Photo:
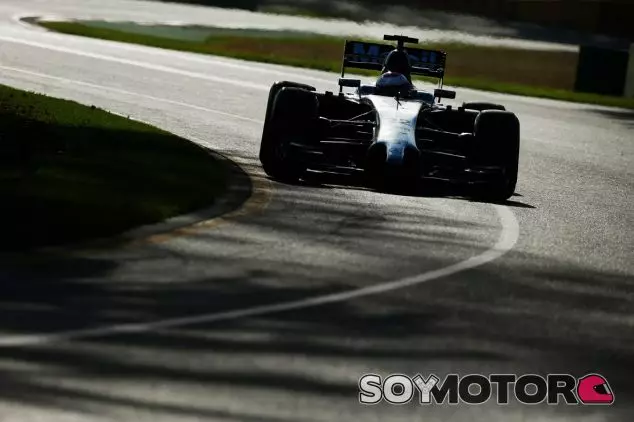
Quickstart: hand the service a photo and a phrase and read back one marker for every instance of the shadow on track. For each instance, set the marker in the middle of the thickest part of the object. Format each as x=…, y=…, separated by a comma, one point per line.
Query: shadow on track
x=623, y=117
x=522, y=317
x=548, y=321
x=428, y=188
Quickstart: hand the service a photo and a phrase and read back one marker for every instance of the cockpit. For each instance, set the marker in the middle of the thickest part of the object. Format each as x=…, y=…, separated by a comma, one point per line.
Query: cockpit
x=393, y=83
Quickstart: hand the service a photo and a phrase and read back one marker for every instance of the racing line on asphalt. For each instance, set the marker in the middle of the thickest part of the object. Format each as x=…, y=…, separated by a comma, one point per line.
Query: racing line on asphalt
x=506, y=241
x=125, y=92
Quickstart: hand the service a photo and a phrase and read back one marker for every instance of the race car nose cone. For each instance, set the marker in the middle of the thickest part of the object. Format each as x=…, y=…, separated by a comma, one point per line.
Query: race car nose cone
x=403, y=155
x=395, y=154
x=411, y=158
x=393, y=166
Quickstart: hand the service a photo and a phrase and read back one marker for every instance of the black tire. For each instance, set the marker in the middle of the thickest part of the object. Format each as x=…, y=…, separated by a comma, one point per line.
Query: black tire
x=292, y=115
x=482, y=106
x=497, y=143
x=275, y=89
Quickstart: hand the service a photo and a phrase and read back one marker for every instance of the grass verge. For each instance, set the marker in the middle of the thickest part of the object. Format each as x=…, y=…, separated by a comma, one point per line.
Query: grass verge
x=545, y=74
x=70, y=172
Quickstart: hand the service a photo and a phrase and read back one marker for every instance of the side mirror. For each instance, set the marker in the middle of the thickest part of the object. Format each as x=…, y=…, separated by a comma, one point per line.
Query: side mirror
x=349, y=82
x=444, y=93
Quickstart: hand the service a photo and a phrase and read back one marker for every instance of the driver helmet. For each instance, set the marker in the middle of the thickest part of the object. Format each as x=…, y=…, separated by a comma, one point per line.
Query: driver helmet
x=398, y=61
x=393, y=82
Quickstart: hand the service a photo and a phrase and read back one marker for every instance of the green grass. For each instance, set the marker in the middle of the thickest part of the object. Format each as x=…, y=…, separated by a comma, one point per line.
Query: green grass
x=70, y=172
x=546, y=74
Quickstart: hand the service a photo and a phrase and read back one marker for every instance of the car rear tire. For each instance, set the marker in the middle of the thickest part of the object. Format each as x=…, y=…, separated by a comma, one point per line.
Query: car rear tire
x=497, y=144
x=291, y=117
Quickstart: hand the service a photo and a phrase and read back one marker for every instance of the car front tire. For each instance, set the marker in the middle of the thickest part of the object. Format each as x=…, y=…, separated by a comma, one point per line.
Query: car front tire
x=497, y=144
x=292, y=118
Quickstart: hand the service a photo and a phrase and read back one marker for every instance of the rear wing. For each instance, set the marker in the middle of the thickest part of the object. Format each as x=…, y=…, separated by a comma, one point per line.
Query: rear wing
x=371, y=56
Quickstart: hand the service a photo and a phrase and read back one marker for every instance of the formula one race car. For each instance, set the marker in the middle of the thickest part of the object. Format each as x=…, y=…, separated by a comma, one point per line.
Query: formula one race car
x=390, y=132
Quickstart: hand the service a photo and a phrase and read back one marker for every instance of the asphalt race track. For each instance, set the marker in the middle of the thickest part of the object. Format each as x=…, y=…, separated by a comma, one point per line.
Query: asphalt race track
x=274, y=314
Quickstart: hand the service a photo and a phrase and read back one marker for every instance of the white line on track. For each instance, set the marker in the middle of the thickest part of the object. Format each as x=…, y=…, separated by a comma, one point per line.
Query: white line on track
x=145, y=65
x=130, y=93
x=507, y=240
x=211, y=60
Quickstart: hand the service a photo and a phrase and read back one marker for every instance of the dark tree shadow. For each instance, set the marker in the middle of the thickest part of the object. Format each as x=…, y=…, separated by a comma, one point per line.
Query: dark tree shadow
x=622, y=117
